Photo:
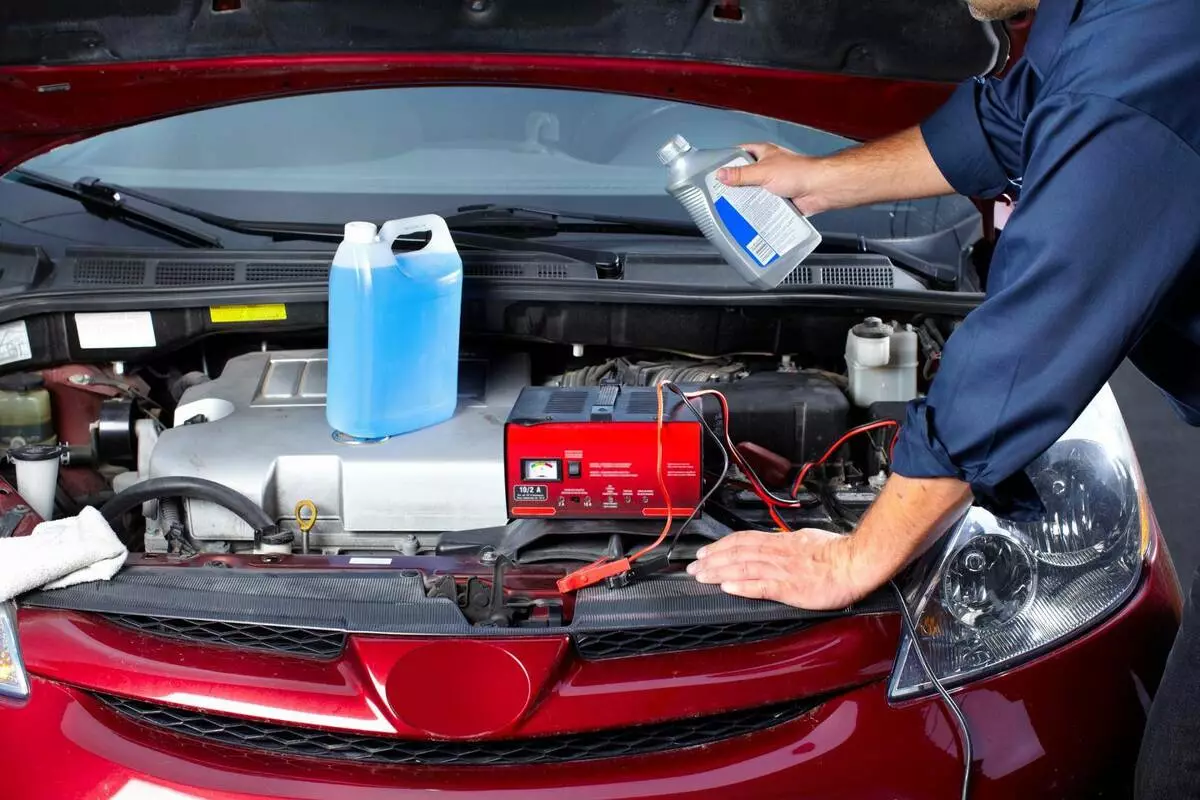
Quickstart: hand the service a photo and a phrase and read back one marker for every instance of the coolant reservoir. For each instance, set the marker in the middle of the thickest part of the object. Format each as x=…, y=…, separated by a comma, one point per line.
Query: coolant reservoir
x=882, y=362
x=24, y=411
x=393, y=330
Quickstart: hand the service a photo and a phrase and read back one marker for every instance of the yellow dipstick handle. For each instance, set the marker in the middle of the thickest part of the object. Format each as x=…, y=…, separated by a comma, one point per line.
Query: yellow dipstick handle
x=306, y=518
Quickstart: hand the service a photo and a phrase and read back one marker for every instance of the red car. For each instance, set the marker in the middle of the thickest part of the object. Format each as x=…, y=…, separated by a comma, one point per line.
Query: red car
x=306, y=616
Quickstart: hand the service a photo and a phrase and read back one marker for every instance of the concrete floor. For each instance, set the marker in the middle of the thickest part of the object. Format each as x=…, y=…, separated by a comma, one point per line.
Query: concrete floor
x=1169, y=452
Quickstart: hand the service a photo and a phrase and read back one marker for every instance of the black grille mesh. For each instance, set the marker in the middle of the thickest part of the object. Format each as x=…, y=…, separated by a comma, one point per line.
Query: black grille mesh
x=270, y=273
x=294, y=741
x=565, y=401
x=193, y=273
x=294, y=641
x=800, y=276
x=636, y=642
x=109, y=272
x=494, y=270
x=866, y=276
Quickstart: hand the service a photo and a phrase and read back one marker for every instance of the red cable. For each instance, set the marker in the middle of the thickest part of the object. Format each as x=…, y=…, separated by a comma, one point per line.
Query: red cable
x=845, y=437
x=662, y=484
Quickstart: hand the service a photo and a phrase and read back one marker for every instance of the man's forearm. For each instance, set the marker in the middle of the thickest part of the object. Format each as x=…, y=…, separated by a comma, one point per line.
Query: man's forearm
x=898, y=167
x=907, y=516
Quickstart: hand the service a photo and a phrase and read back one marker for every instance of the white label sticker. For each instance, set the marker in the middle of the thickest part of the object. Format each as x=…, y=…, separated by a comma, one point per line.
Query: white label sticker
x=764, y=224
x=115, y=330
x=376, y=562
x=14, y=343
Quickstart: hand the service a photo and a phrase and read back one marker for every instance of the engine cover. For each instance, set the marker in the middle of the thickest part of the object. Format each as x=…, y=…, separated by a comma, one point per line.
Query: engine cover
x=260, y=429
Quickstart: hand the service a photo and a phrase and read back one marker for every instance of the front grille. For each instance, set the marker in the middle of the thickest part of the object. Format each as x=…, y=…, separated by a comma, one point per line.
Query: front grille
x=294, y=741
x=597, y=645
x=278, y=639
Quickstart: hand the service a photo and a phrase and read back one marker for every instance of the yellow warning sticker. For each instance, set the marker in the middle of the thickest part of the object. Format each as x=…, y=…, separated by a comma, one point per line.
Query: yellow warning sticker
x=271, y=312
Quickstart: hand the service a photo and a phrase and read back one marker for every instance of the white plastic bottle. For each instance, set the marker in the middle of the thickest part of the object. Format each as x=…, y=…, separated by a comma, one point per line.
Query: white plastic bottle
x=762, y=236
x=881, y=360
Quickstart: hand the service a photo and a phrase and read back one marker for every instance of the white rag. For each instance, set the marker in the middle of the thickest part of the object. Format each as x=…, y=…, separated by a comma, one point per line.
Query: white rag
x=60, y=553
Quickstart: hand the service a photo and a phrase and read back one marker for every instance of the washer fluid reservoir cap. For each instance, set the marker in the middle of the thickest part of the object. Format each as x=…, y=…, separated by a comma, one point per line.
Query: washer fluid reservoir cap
x=872, y=328
x=36, y=452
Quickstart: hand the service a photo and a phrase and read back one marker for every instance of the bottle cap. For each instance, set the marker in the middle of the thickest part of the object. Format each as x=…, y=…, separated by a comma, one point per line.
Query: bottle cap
x=36, y=452
x=872, y=328
x=673, y=149
x=21, y=382
x=360, y=232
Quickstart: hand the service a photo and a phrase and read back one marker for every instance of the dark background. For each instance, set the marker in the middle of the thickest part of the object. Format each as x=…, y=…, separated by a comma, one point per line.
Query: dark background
x=1169, y=452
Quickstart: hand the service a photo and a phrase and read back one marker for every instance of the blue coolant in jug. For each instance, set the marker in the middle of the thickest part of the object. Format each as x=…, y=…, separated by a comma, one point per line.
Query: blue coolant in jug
x=393, y=330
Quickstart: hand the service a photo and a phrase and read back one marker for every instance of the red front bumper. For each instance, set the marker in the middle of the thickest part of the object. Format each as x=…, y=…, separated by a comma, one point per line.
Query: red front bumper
x=1067, y=724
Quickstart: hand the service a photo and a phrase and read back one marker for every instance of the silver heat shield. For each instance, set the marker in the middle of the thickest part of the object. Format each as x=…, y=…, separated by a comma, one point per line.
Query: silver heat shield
x=260, y=429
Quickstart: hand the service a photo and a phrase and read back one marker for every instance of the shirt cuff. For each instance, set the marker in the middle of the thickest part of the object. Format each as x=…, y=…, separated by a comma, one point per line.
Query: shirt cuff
x=919, y=454
x=959, y=146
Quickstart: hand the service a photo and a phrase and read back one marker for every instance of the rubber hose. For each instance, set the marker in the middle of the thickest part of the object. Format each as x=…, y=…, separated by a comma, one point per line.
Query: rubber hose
x=196, y=489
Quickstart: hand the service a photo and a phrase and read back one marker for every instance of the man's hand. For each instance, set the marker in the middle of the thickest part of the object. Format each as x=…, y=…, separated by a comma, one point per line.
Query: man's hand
x=822, y=571
x=784, y=173
x=896, y=168
x=806, y=568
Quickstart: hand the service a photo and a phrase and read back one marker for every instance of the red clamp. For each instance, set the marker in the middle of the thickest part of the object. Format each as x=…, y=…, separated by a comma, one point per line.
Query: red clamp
x=592, y=574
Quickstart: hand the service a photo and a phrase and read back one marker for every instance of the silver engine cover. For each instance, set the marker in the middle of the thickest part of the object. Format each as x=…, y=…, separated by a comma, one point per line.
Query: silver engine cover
x=266, y=437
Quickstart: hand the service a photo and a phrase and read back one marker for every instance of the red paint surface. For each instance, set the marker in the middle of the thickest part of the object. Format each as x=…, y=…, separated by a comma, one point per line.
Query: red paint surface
x=1061, y=726
x=618, y=464
x=357, y=691
x=102, y=97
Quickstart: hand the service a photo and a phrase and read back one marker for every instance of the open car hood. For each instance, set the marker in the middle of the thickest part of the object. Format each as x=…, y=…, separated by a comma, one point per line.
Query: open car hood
x=73, y=68
x=918, y=39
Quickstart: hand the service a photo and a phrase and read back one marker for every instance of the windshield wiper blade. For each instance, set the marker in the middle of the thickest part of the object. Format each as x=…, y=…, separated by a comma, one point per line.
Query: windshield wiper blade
x=545, y=222
x=109, y=198
x=108, y=203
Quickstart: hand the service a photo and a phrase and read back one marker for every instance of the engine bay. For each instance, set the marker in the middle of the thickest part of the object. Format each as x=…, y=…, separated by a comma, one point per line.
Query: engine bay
x=554, y=458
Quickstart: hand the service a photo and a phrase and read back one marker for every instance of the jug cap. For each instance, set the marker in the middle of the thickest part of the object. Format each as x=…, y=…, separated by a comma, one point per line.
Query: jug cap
x=360, y=232
x=673, y=149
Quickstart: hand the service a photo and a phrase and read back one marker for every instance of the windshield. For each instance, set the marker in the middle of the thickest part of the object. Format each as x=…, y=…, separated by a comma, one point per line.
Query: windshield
x=491, y=142
x=388, y=153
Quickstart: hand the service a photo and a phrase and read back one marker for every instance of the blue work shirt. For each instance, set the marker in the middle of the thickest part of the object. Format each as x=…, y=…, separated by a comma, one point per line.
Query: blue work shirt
x=1096, y=129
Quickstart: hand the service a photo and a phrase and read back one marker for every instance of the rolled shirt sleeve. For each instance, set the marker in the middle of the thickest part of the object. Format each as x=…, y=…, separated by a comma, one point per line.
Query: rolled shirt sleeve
x=1106, y=228
x=975, y=137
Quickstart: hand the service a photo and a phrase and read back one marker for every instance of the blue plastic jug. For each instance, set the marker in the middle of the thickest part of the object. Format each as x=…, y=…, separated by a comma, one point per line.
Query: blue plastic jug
x=393, y=330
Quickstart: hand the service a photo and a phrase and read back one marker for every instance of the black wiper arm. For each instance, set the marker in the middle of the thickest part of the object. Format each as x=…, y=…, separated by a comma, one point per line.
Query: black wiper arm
x=542, y=222
x=108, y=198
x=109, y=203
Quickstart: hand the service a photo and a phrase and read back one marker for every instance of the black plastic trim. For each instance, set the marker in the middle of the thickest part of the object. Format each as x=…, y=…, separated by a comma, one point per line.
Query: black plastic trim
x=381, y=601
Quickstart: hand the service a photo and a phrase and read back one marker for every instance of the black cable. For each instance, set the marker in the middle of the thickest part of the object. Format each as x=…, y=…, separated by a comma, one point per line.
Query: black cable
x=757, y=481
x=724, y=467
x=964, y=731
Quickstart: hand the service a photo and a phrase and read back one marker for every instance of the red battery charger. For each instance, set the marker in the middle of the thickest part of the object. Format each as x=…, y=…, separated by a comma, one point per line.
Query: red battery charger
x=592, y=453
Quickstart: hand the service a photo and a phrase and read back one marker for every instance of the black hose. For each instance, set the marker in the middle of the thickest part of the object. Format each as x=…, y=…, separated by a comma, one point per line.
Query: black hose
x=197, y=489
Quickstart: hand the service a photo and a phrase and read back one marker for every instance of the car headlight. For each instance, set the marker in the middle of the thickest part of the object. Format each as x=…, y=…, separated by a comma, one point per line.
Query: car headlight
x=1001, y=592
x=13, y=680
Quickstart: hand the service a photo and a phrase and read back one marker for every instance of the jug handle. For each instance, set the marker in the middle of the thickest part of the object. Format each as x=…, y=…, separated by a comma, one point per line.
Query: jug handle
x=439, y=238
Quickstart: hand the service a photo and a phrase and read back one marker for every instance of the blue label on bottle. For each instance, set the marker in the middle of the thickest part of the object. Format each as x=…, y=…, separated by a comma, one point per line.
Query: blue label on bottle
x=744, y=233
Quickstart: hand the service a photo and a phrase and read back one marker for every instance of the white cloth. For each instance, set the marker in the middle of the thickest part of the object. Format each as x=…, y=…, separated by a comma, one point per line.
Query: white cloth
x=60, y=553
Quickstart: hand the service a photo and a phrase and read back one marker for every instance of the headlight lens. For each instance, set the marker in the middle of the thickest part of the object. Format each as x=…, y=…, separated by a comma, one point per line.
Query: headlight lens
x=13, y=680
x=1000, y=592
